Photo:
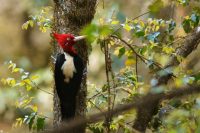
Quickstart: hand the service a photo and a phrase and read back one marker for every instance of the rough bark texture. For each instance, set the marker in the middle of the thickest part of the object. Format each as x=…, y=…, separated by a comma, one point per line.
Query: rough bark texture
x=69, y=17
x=146, y=113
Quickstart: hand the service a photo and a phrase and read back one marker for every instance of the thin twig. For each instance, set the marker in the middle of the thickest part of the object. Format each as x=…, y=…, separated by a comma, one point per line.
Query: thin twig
x=142, y=57
x=138, y=55
x=95, y=106
x=130, y=21
x=136, y=67
x=107, y=62
x=40, y=88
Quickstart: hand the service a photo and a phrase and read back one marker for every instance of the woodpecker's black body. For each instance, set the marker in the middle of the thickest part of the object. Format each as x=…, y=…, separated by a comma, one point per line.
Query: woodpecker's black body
x=67, y=91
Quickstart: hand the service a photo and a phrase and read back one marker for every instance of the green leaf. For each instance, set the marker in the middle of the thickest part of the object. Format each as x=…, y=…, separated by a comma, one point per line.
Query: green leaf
x=186, y=25
x=143, y=50
x=140, y=33
x=172, y=26
x=156, y=6
x=153, y=37
x=31, y=121
x=195, y=19
x=91, y=31
x=119, y=51
x=197, y=76
x=40, y=123
x=104, y=31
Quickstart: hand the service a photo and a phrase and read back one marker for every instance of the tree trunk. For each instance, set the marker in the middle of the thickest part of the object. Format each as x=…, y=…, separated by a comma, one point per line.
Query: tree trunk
x=69, y=17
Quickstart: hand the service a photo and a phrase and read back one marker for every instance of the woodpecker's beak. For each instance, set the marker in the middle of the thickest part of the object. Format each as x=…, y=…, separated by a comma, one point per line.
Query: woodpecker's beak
x=78, y=38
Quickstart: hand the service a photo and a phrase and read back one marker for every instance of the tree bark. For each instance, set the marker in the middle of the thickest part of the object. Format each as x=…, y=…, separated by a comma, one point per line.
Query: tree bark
x=69, y=17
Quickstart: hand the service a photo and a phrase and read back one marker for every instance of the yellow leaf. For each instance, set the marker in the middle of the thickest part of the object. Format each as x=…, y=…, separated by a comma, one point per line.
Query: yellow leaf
x=17, y=104
x=28, y=87
x=127, y=27
x=18, y=122
x=187, y=17
x=25, y=26
x=12, y=82
x=15, y=70
x=135, y=21
x=112, y=43
x=142, y=24
x=22, y=83
x=114, y=22
x=3, y=81
x=179, y=58
x=43, y=29
x=31, y=23
x=10, y=66
x=168, y=50
x=34, y=108
x=34, y=77
x=178, y=82
x=130, y=62
x=116, y=52
x=27, y=81
x=157, y=28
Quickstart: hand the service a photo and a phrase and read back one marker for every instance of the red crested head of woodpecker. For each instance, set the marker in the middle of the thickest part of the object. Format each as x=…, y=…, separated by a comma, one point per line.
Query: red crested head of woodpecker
x=66, y=41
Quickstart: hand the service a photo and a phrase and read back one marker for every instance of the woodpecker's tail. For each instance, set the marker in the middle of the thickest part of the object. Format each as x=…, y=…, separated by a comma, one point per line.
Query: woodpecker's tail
x=68, y=109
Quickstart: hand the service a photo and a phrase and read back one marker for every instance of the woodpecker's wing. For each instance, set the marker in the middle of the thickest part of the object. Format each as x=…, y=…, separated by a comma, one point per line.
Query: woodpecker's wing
x=78, y=62
x=58, y=74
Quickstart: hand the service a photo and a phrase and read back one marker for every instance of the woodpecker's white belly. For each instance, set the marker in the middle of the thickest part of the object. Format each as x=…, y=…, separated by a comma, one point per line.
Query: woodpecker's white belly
x=68, y=67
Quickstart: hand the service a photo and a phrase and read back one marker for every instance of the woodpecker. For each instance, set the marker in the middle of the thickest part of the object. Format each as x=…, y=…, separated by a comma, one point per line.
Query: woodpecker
x=68, y=74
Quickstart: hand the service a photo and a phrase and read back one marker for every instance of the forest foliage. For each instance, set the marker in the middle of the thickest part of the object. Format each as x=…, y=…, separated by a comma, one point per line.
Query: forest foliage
x=147, y=41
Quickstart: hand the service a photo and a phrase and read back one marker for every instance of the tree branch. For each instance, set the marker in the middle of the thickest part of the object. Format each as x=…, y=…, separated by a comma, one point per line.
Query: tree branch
x=146, y=113
x=139, y=103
